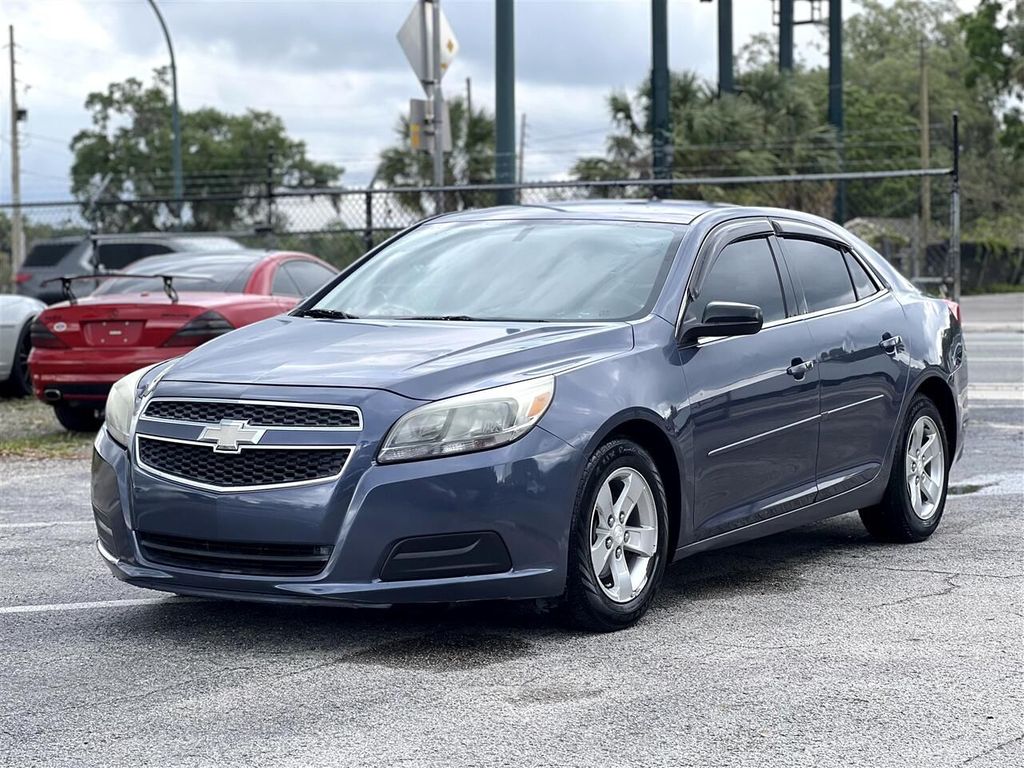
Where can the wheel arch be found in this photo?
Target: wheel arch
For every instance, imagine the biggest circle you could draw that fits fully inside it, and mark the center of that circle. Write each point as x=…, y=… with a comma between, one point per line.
x=937, y=389
x=647, y=429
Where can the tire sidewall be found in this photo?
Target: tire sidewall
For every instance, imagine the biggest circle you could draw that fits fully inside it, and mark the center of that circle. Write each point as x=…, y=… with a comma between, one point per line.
x=922, y=529
x=582, y=582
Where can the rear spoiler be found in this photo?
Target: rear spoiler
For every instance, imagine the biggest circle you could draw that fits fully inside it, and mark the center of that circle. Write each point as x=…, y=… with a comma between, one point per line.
x=69, y=295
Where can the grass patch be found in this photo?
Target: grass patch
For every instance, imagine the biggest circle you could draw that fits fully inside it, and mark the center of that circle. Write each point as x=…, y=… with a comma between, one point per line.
x=28, y=429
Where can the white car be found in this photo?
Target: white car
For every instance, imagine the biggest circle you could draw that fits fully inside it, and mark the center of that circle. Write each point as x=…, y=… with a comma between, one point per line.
x=16, y=316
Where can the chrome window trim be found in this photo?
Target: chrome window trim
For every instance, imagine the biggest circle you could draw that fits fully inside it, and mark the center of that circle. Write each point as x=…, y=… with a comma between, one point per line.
x=246, y=401
x=241, y=488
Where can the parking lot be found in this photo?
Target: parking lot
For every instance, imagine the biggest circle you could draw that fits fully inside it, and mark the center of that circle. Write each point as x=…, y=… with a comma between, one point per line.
x=813, y=647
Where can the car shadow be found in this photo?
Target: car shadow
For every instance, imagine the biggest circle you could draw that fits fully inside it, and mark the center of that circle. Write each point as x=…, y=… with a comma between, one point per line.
x=441, y=637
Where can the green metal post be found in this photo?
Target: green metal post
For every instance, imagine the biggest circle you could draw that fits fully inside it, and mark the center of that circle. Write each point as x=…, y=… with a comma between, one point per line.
x=786, y=35
x=661, y=126
x=835, y=93
x=505, y=100
x=725, y=78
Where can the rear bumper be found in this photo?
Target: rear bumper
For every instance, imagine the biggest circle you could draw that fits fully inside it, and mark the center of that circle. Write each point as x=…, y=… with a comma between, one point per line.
x=86, y=375
x=519, y=495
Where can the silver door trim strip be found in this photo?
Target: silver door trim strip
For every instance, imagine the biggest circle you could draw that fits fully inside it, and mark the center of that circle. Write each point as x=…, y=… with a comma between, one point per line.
x=770, y=432
x=852, y=405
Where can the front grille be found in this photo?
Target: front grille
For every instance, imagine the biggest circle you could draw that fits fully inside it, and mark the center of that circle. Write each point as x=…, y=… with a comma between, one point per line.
x=257, y=414
x=252, y=467
x=250, y=558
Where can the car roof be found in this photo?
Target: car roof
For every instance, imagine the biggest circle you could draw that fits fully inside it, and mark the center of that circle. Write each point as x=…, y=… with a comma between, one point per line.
x=653, y=210
x=192, y=258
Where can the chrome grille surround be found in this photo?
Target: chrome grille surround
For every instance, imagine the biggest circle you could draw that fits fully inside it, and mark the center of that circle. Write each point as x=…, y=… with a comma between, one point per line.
x=266, y=464
x=259, y=413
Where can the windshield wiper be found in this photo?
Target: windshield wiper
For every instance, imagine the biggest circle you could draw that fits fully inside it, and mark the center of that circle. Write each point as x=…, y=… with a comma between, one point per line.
x=439, y=317
x=329, y=314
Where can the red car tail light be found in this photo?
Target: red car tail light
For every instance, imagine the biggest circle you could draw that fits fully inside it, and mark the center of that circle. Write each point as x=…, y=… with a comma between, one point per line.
x=954, y=308
x=22, y=277
x=208, y=325
x=43, y=338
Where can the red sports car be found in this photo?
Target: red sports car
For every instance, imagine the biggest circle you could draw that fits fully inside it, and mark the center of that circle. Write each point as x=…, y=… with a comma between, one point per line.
x=158, y=308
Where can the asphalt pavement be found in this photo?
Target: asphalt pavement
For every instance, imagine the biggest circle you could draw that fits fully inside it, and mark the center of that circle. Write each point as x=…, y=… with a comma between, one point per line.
x=814, y=647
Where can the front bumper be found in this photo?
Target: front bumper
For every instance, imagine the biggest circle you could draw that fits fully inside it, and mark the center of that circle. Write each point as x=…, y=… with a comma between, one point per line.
x=522, y=492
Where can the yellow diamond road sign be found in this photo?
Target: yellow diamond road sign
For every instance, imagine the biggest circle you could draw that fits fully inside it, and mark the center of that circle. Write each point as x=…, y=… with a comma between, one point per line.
x=412, y=38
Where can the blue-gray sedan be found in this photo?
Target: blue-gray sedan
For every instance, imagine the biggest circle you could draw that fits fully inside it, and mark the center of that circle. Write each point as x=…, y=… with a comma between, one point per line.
x=539, y=402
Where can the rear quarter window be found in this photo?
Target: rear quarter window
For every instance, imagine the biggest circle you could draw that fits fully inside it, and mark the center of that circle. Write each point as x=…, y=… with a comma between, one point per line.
x=47, y=254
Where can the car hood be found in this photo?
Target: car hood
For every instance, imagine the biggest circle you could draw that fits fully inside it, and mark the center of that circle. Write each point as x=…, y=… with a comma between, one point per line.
x=418, y=359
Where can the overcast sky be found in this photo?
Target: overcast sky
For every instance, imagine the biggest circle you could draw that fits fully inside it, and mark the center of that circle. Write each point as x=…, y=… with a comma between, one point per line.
x=334, y=70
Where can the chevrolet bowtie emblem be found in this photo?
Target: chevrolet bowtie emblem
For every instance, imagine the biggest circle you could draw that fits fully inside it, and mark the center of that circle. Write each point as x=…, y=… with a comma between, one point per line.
x=230, y=434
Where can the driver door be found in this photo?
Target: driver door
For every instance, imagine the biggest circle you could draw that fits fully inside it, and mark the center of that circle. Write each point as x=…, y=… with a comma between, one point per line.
x=754, y=399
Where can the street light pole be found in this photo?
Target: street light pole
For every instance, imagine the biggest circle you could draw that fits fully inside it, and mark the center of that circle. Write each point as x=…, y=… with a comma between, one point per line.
x=175, y=117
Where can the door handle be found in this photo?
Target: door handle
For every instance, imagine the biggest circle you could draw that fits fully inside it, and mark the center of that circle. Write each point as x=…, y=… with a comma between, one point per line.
x=891, y=344
x=798, y=368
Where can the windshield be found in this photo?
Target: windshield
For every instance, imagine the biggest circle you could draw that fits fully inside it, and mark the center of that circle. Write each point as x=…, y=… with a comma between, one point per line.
x=217, y=275
x=512, y=270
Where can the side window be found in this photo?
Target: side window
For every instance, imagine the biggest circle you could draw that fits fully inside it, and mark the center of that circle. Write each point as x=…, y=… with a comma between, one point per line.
x=862, y=281
x=283, y=285
x=821, y=269
x=115, y=256
x=308, y=275
x=744, y=272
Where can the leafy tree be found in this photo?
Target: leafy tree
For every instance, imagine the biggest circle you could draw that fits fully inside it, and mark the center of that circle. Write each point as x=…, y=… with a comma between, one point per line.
x=125, y=158
x=471, y=161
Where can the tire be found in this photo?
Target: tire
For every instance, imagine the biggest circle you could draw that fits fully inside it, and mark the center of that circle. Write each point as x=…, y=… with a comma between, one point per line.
x=78, y=418
x=903, y=516
x=617, y=599
x=20, y=382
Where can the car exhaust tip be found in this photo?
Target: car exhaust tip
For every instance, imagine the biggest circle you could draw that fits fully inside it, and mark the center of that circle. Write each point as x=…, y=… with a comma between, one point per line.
x=51, y=395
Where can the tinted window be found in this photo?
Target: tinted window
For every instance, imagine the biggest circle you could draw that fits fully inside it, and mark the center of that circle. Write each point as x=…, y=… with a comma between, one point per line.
x=283, y=285
x=744, y=272
x=821, y=269
x=308, y=275
x=862, y=282
x=116, y=256
x=513, y=270
x=47, y=254
x=197, y=273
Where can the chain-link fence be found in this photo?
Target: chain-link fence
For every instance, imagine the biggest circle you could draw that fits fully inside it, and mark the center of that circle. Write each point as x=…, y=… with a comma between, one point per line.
x=339, y=224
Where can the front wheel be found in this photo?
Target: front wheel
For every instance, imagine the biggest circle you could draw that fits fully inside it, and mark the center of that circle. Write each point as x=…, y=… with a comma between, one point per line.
x=78, y=418
x=20, y=382
x=916, y=495
x=619, y=539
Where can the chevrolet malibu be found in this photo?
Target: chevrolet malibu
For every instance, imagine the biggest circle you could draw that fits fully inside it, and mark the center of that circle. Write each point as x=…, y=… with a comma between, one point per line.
x=550, y=402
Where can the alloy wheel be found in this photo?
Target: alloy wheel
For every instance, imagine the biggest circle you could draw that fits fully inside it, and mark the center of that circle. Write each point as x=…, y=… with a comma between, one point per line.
x=623, y=534
x=925, y=467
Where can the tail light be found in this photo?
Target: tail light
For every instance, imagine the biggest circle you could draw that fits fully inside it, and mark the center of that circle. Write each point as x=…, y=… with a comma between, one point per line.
x=22, y=277
x=954, y=308
x=198, y=330
x=43, y=338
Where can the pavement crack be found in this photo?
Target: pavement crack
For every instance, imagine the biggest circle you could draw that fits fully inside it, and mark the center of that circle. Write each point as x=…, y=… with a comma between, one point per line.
x=948, y=589
x=996, y=748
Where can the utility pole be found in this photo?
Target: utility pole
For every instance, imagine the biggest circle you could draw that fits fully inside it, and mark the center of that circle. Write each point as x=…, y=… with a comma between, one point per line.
x=17, y=233
x=660, y=117
x=926, y=182
x=179, y=184
x=438, y=106
x=835, y=93
x=522, y=147
x=725, y=78
x=505, y=100
x=786, y=35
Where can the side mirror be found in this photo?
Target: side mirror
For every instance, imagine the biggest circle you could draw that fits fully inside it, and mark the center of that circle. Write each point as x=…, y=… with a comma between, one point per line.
x=726, y=318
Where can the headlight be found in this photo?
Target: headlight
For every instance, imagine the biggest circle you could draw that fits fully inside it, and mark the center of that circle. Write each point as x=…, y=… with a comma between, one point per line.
x=473, y=422
x=121, y=404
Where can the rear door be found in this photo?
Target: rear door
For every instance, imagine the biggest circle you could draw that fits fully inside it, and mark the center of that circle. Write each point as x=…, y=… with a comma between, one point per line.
x=858, y=330
x=754, y=399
